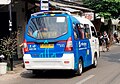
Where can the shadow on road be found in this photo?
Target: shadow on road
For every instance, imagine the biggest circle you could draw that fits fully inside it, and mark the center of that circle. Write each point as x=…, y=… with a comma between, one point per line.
x=52, y=74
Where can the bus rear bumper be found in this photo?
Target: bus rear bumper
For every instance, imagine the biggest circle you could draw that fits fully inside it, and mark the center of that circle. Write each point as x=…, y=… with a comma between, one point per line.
x=66, y=62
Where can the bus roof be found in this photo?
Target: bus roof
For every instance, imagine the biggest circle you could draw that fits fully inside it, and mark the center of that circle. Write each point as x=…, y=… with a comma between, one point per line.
x=83, y=20
x=50, y=12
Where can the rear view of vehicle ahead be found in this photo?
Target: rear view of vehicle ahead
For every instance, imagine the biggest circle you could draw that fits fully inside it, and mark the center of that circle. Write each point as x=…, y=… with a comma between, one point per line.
x=48, y=43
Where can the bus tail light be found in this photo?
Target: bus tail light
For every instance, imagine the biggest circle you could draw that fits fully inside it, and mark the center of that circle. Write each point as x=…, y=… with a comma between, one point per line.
x=69, y=46
x=25, y=46
x=26, y=62
x=66, y=62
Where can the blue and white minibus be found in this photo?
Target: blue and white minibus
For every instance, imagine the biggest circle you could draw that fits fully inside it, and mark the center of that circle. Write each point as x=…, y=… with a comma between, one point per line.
x=58, y=40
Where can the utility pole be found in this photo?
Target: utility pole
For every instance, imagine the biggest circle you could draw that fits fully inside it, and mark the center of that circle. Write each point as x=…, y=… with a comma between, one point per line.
x=10, y=31
x=10, y=17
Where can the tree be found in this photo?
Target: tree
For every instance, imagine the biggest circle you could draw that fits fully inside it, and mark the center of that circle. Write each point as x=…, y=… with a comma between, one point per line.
x=106, y=8
x=8, y=47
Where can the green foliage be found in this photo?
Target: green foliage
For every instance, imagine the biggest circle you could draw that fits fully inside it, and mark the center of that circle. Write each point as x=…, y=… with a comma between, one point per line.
x=105, y=14
x=112, y=0
x=106, y=8
x=8, y=45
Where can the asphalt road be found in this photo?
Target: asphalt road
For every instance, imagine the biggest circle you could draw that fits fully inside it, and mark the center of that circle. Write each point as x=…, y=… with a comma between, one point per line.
x=107, y=72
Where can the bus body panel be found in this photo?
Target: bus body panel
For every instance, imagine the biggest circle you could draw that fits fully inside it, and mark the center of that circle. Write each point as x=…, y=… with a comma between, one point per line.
x=50, y=63
x=93, y=42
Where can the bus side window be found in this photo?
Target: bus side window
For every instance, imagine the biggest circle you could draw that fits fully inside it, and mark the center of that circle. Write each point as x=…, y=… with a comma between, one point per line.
x=81, y=31
x=76, y=35
x=93, y=31
x=87, y=31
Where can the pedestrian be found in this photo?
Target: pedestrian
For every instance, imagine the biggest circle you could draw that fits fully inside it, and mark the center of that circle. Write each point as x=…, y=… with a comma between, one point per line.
x=116, y=36
x=106, y=39
x=100, y=38
x=22, y=52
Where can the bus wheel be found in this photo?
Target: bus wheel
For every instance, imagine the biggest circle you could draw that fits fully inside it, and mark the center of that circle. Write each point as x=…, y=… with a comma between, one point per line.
x=95, y=62
x=80, y=67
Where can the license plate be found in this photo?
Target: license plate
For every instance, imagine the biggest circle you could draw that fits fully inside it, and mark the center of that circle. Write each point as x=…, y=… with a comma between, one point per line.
x=46, y=45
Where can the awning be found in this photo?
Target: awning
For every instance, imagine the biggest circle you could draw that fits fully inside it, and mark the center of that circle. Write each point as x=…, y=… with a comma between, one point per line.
x=70, y=6
x=69, y=9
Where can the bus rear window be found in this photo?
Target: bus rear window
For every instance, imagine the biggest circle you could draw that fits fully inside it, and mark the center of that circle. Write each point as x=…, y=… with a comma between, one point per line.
x=47, y=27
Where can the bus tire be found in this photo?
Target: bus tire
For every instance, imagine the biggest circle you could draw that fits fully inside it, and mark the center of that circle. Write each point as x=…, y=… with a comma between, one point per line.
x=95, y=62
x=80, y=67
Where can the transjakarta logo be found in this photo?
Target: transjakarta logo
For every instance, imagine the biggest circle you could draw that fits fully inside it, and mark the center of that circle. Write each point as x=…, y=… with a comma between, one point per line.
x=32, y=47
x=82, y=44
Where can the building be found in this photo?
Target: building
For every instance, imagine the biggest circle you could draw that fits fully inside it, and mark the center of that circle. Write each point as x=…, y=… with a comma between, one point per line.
x=22, y=9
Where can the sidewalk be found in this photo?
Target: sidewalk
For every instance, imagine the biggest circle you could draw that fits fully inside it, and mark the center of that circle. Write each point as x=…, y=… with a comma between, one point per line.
x=17, y=70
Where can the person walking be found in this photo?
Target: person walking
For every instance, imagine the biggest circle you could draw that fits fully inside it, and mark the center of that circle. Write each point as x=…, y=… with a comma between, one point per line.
x=116, y=36
x=106, y=38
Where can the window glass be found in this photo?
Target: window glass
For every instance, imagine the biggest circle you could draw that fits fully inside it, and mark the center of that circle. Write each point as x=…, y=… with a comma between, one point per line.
x=93, y=31
x=76, y=34
x=81, y=31
x=87, y=31
x=47, y=27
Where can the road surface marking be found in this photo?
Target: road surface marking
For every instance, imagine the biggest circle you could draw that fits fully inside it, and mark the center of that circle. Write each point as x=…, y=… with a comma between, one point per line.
x=84, y=80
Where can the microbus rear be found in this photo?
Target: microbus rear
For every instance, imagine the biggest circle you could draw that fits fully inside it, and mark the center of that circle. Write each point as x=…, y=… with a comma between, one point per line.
x=54, y=42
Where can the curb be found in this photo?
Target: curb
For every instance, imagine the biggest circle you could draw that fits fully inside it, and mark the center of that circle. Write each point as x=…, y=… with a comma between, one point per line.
x=18, y=68
x=11, y=75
